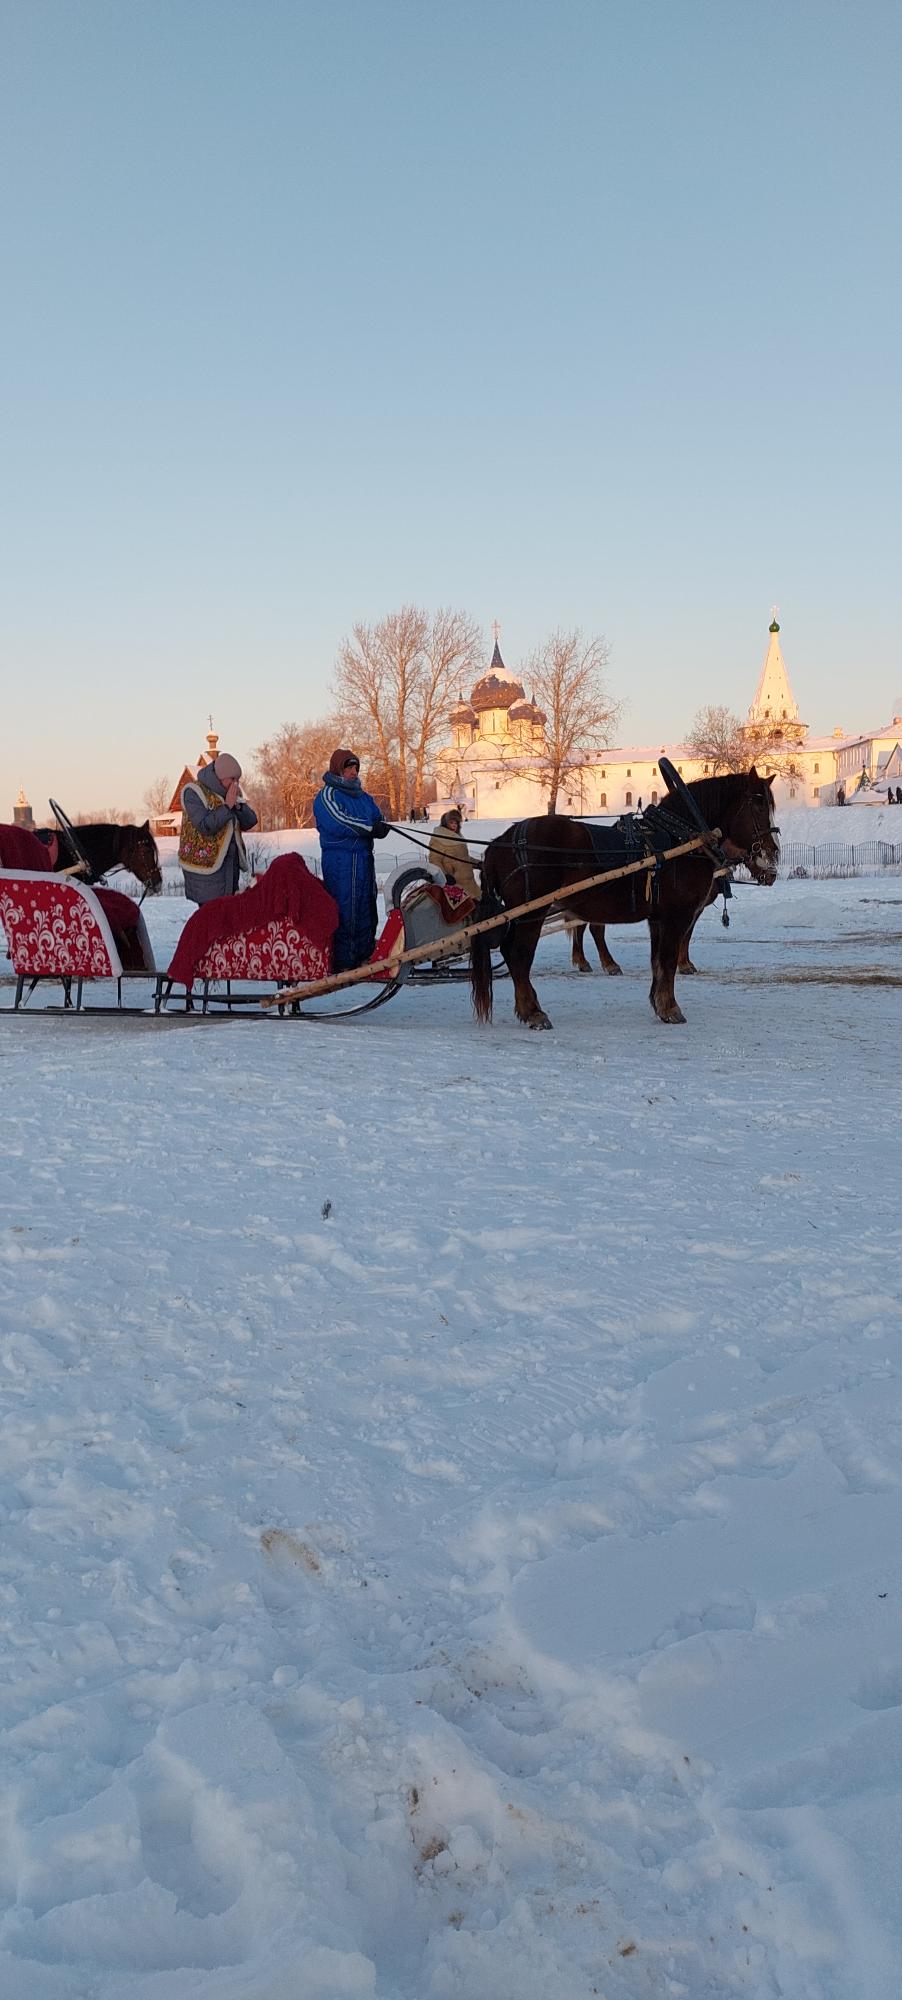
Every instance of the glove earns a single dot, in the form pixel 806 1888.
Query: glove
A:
pixel 380 830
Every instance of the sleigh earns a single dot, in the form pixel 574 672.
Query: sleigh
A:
pixel 431 910
pixel 60 932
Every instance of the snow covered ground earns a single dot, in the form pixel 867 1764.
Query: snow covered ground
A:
pixel 449 1488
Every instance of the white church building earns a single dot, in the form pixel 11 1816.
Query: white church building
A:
pixel 496 766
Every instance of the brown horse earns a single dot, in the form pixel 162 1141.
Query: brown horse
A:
pixel 580 963
pixel 544 854
pixel 103 847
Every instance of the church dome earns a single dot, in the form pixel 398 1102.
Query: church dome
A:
pixel 497 688
pixel 526 711
pixel 462 712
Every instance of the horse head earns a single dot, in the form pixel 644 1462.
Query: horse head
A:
pixel 750 835
pixel 138 853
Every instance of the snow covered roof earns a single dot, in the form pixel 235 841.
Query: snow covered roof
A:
pixel 498 688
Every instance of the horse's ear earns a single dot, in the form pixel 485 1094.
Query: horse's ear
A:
pixel 753 773
pixel 771 779
pixel 146 827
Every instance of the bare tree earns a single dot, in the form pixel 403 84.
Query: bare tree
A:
pixel 157 797
pixel 718 739
pixel 288 771
pixel 715 738
pixel 394 682
pixel 566 676
pixel 106 816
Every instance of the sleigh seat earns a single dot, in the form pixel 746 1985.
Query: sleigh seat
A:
pixel 278 932
pixel 59 931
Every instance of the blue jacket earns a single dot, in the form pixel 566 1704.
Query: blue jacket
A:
pixel 348 820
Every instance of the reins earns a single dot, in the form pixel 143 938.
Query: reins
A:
pixel 657 823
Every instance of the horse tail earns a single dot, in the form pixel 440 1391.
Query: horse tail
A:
pixel 481 977
pixel 481 947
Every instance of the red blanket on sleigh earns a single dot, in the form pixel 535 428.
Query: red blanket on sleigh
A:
pixel 24 852
pixel 288 891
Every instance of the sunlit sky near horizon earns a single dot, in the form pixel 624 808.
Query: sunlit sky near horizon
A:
pixel 574 314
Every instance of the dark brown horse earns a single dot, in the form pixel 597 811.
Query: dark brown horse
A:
pixel 105 847
pixel 544 854
pixel 580 963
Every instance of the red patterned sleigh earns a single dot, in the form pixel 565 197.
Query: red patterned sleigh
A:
pixel 59 930
pixel 279 932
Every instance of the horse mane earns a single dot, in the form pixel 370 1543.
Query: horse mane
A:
pixel 713 796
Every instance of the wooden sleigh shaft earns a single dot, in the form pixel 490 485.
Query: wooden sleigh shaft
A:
pixel 448 946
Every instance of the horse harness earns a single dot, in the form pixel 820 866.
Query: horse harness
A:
pixel 637 835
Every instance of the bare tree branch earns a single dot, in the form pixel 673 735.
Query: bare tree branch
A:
pixel 714 738
pixel 288 772
pixel 393 683
pixel 157 797
pixel 719 741
pixel 566 677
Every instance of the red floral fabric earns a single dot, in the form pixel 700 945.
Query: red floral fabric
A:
pixel 52 930
pixel 277 950
pixel 282 928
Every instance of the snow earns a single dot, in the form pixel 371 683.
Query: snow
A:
pixel 450 1487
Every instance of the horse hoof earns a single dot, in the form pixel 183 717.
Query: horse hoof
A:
pixel 582 968
pixel 614 971
pixel 674 1018
pixel 539 1021
pixel 688 967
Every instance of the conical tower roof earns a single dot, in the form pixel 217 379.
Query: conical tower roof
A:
pixel 774 703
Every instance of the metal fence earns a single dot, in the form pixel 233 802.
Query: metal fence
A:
pixel 836 858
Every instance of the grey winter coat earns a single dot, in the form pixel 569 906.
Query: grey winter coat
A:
pixel 211 819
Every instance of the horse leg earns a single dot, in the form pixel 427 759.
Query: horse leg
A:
pixel 684 962
pixel 665 934
pixel 608 964
pixel 578 957
pixel 518 951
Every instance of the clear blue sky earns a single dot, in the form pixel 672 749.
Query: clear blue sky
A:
pixel 575 313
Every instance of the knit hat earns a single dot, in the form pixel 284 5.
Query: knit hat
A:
pixel 339 759
pixel 227 768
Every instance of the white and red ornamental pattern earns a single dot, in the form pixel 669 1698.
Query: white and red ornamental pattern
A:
pixel 277 950
pixel 52 929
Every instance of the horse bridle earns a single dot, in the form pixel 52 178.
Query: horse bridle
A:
pixel 756 851
pixel 130 870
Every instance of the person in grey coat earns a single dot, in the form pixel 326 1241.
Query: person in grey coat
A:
pixel 214 819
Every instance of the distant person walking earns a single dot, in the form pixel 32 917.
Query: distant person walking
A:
pixel 215 818
pixel 348 820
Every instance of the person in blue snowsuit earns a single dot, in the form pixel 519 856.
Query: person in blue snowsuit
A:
pixel 348 821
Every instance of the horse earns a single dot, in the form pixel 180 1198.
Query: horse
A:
pixel 539 855
pixel 609 965
pixel 104 847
